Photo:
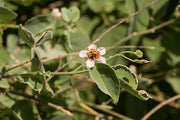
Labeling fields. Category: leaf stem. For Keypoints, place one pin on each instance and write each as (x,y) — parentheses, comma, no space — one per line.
(9,26)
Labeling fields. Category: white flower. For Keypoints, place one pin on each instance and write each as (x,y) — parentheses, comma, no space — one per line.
(93,53)
(56,12)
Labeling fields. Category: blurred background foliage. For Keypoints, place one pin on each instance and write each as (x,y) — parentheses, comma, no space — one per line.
(160,78)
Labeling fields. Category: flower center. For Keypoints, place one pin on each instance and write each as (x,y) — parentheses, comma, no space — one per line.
(93,54)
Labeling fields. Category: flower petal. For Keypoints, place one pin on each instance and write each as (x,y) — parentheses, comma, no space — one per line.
(83,53)
(102,59)
(90,63)
(102,50)
(92,46)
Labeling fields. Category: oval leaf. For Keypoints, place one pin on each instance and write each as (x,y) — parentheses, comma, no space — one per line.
(4,83)
(124,73)
(6,15)
(105,78)
(70,15)
(40,23)
(26,36)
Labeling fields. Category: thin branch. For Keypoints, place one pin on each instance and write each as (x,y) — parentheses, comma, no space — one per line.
(130,46)
(123,20)
(49,73)
(110,112)
(156,98)
(58,107)
(151,30)
(145,117)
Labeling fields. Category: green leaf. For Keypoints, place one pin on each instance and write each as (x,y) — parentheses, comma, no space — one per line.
(4,83)
(36,82)
(79,40)
(35,64)
(124,73)
(129,82)
(5,57)
(23,110)
(152,54)
(6,101)
(6,15)
(26,36)
(141,94)
(24,2)
(40,23)
(45,36)
(175,83)
(70,15)
(96,5)
(105,78)
(142,19)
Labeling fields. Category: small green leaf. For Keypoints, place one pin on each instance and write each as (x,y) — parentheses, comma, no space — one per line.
(6,15)
(175,83)
(40,23)
(5,57)
(129,82)
(124,73)
(70,15)
(96,5)
(105,78)
(22,109)
(4,83)
(141,94)
(6,101)
(26,36)
(34,81)
(48,35)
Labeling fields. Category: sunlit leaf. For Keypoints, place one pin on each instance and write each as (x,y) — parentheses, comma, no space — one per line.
(4,83)
(6,15)
(26,36)
(71,14)
(105,78)
(141,94)
(40,23)
(124,73)
(6,101)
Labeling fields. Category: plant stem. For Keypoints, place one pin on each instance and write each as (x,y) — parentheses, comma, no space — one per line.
(49,73)
(69,73)
(9,26)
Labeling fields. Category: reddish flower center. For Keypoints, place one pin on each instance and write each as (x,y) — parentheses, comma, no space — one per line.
(93,54)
